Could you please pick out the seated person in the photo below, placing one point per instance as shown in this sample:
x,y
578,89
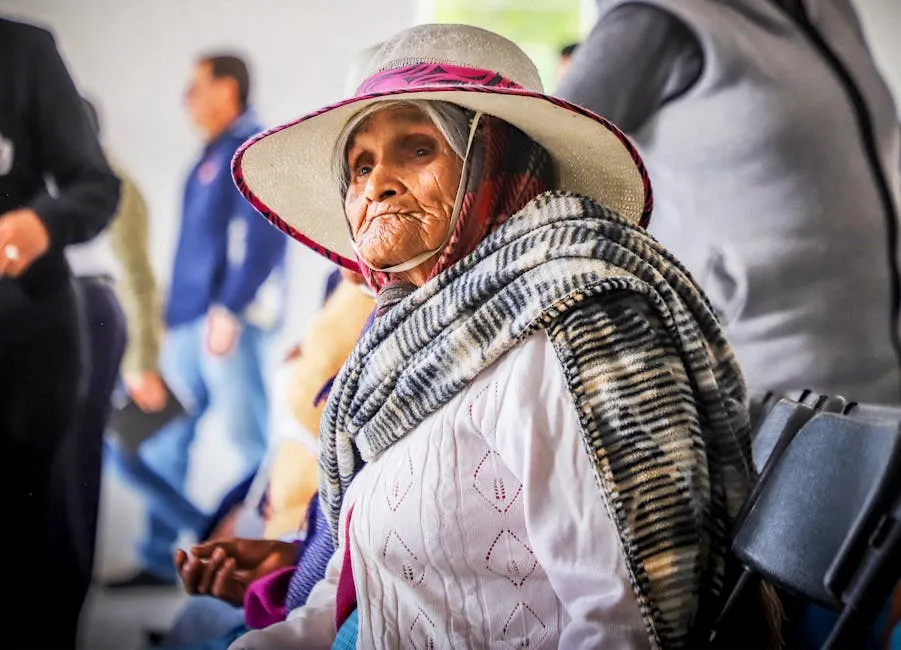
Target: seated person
x,y
327,343
543,438
270,578
224,567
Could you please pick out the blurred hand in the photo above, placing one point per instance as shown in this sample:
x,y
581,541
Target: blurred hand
x,y
23,239
222,332
294,353
147,390
225,569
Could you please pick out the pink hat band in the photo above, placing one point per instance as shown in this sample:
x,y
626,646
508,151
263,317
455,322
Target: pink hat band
x,y
420,75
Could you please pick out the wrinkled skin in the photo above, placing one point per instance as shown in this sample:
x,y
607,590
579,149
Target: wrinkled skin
x,y
224,569
403,183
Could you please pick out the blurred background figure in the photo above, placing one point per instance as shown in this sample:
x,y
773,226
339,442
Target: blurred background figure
x,y
225,300
135,287
241,573
566,56
44,134
112,272
123,254
236,588
773,145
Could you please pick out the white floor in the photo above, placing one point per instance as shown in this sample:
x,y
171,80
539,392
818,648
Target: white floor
x,y
118,620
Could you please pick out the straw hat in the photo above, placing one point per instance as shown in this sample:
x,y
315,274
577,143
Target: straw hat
x,y
286,172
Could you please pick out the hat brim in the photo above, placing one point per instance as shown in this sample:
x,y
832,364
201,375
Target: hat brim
x,y
286,172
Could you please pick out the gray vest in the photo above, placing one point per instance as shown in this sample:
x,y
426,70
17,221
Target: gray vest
x,y
764,190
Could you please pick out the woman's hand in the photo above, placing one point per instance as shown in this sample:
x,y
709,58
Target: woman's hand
x,y
225,569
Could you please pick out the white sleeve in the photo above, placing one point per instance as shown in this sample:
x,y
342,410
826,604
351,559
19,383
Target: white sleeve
x,y
538,435
311,627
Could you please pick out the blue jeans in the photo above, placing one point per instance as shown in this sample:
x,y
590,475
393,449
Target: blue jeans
x,y
234,386
205,623
158,494
816,623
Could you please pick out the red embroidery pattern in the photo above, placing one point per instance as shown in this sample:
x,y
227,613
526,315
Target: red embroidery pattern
x,y
399,557
509,557
524,629
396,491
495,483
472,417
422,631
403,561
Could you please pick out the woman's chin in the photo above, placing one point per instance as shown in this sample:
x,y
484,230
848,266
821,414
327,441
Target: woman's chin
x,y
381,261
383,257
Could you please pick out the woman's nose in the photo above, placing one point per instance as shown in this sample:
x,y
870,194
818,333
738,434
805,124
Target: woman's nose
x,y
383,183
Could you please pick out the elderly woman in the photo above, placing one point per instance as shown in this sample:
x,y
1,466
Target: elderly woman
x,y
542,441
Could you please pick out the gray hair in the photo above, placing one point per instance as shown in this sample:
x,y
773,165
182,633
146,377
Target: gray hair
x,y
451,120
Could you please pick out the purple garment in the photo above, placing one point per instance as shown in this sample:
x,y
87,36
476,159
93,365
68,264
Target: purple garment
x,y
314,557
264,602
270,599
318,549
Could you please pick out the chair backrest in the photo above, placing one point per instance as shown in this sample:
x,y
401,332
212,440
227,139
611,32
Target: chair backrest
x,y
823,521
770,412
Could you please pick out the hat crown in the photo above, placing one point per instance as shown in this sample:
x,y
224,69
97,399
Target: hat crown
x,y
457,45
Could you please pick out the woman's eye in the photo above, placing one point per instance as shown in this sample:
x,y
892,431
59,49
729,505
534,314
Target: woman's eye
x,y
422,152
364,170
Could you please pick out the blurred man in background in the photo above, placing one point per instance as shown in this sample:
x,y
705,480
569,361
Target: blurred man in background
x,y
225,299
44,134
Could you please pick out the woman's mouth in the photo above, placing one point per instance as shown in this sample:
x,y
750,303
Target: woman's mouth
x,y
381,214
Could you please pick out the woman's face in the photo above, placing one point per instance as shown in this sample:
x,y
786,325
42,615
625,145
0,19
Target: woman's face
x,y
403,183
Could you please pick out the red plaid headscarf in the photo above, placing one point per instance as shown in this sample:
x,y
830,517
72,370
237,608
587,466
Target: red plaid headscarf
x,y
507,169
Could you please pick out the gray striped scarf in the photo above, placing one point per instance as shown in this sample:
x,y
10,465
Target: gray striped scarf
x,y
668,435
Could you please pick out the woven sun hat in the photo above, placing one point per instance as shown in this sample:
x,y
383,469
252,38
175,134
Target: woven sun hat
x,y
287,174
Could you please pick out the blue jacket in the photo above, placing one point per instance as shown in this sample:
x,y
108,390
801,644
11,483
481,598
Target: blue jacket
x,y
226,250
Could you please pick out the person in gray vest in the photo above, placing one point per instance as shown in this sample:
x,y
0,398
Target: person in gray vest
x,y
773,145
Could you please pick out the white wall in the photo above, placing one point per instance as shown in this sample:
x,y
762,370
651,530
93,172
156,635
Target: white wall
x,y
882,23
134,57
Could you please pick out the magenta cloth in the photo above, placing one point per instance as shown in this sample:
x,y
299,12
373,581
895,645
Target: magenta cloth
x,y
264,600
432,74
346,598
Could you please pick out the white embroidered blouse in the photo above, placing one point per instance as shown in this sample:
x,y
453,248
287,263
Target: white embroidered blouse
x,y
482,528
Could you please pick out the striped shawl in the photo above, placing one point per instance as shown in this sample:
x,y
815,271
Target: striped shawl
x,y
668,435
